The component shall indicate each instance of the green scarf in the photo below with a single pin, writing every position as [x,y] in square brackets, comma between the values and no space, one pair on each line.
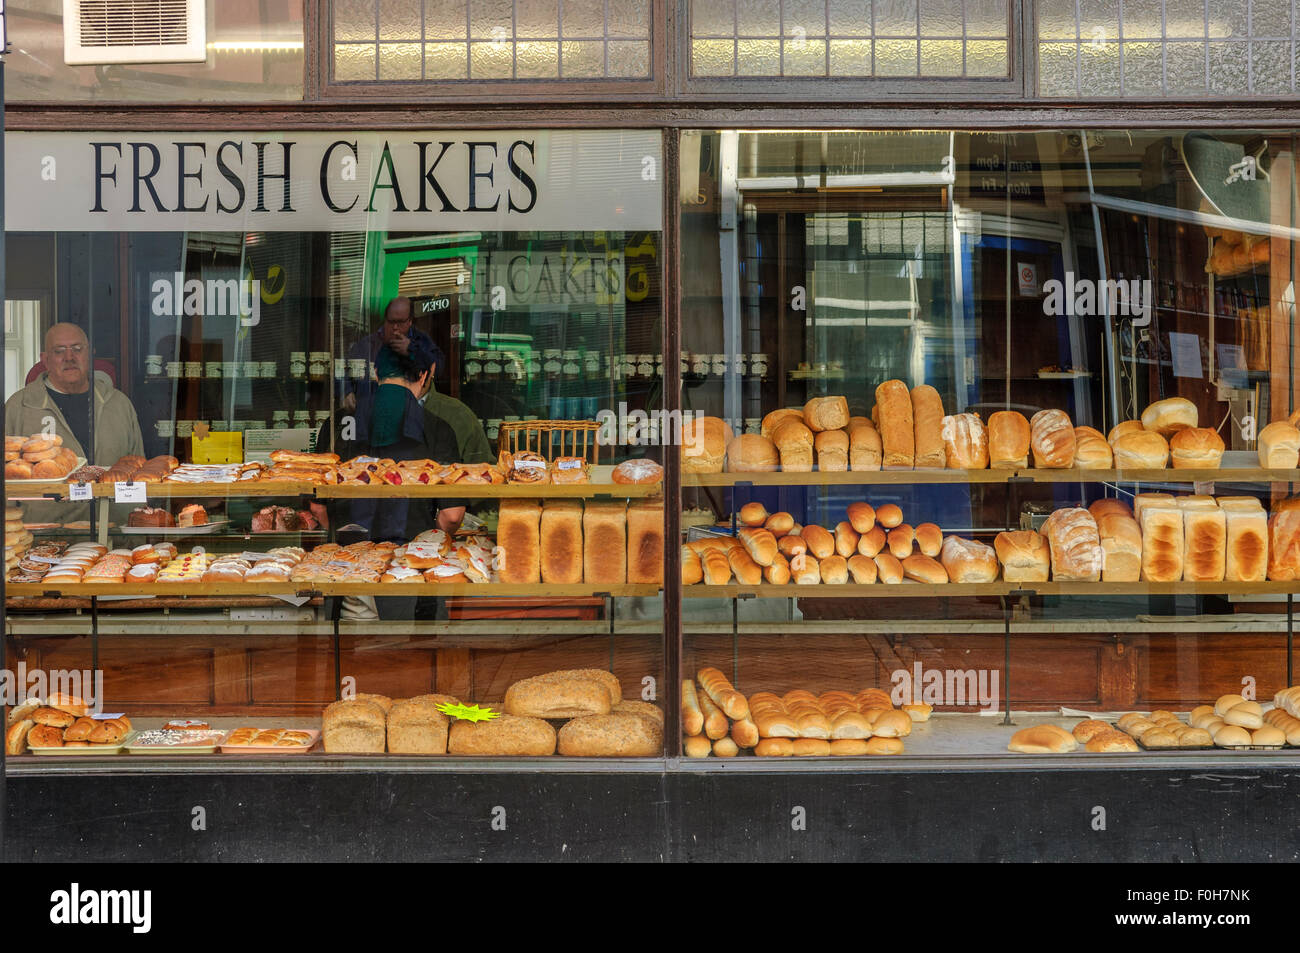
[389,414]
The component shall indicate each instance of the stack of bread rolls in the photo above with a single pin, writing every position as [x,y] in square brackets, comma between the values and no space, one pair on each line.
[60,721]
[38,457]
[1163,729]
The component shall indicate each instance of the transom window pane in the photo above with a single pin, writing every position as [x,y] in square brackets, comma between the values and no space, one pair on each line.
[1166,48]
[450,40]
[850,39]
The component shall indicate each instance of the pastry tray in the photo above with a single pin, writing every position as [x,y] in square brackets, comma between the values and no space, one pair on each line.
[273,749]
[81,462]
[214,526]
[88,751]
[208,746]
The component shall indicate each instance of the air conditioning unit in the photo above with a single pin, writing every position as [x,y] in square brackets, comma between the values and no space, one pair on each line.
[134,31]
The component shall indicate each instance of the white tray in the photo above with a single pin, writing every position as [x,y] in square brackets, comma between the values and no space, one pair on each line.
[81,462]
[205,747]
[213,526]
[88,751]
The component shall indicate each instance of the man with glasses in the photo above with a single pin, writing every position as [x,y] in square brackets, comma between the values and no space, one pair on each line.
[58,401]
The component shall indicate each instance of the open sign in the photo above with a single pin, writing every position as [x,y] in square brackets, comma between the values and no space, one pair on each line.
[438,305]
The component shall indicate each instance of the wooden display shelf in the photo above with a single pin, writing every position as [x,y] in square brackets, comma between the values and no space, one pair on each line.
[177,589]
[506,491]
[910,589]
[1028,474]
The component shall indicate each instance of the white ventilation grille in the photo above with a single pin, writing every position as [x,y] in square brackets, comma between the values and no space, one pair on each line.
[134,31]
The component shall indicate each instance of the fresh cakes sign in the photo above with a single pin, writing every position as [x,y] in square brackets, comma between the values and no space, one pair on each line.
[580,180]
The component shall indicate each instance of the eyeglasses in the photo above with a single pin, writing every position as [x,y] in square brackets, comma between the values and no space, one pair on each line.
[69,349]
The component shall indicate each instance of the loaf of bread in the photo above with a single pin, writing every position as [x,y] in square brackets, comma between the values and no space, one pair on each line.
[819,541]
[704,444]
[1107,505]
[1279,446]
[1075,545]
[1142,500]
[1169,416]
[832,450]
[717,568]
[826,413]
[794,444]
[746,570]
[1052,440]
[777,417]
[1141,450]
[645,542]
[846,539]
[604,545]
[1246,549]
[865,452]
[888,569]
[558,695]
[616,735]
[929,539]
[752,453]
[929,450]
[1121,547]
[723,694]
[759,543]
[1196,447]
[752,514]
[897,436]
[561,542]
[354,727]
[1284,543]
[1024,555]
[924,569]
[968,561]
[1009,438]
[1204,542]
[519,536]
[1123,427]
[1042,739]
[503,736]
[1091,451]
[965,442]
[1162,543]
[415,726]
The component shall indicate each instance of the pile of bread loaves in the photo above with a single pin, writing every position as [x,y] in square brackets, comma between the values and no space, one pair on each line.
[909,430]
[597,722]
[568,541]
[718,720]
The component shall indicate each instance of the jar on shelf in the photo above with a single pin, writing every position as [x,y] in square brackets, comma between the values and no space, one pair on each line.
[318,365]
[213,370]
[298,364]
[571,371]
[301,419]
[153,365]
[473,365]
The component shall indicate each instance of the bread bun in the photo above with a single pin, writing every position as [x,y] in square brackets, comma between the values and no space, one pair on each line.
[753,514]
[1268,735]
[1141,450]
[751,453]
[1169,416]
[1110,741]
[862,516]
[1195,738]
[924,569]
[869,544]
[900,540]
[1088,729]
[1245,715]
[846,539]
[834,570]
[1042,739]
[1196,447]
[892,724]
[1231,736]
[889,515]
[1225,703]
[929,539]
[779,523]
[1158,737]
[888,569]
[819,541]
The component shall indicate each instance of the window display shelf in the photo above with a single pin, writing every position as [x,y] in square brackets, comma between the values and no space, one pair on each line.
[921,590]
[344,491]
[1028,474]
[304,590]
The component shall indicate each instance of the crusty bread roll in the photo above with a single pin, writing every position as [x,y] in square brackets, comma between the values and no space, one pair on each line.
[752,453]
[924,569]
[965,442]
[929,449]
[704,444]
[1121,547]
[1123,427]
[897,436]
[1091,451]
[834,570]
[968,561]
[1042,739]
[888,569]
[900,540]
[1009,438]
[826,413]
[805,570]
[1141,450]
[1279,446]
[873,542]
[777,417]
[1024,554]
[1231,736]
[1196,447]
[747,571]
[1088,729]
[846,539]
[1246,549]
[1051,438]
[692,714]
[865,450]
[1075,545]
[820,542]
[692,568]
[794,443]
[780,523]
[862,516]
[1169,416]
[929,539]
[832,451]
[1111,741]
[1204,544]
[778,573]
[753,514]
[889,515]
[696,746]
[717,568]
[1162,543]
[759,543]
[862,569]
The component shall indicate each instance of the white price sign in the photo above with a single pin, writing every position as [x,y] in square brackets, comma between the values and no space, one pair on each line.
[80,491]
[129,493]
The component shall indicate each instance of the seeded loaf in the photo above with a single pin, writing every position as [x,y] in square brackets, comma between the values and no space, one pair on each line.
[505,735]
[615,735]
[415,726]
[559,695]
[354,727]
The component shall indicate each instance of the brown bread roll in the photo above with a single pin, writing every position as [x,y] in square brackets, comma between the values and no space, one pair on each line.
[929,539]
[1111,741]
[862,516]
[1198,447]
[1088,729]
[897,435]
[846,539]
[805,570]
[888,569]
[725,748]
[820,543]
[900,540]
[779,524]
[873,542]
[696,746]
[792,545]
[1009,438]
[889,515]
[924,569]
[1167,417]
[752,453]
[834,570]
[930,452]
[777,574]
[862,569]
[753,514]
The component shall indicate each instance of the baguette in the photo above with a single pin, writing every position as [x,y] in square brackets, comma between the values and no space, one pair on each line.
[723,693]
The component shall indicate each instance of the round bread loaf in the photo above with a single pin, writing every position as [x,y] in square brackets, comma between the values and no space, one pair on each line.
[1226,702]
[1170,415]
[1196,447]
[1195,738]
[1268,735]
[1141,450]
[704,444]
[1088,729]
[753,514]
[1122,428]
[1231,736]
[1009,437]
[638,471]
[1111,741]
[779,524]
[1042,739]
[752,453]
[615,735]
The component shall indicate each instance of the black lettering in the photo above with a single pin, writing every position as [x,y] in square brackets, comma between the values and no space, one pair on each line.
[515,269]
[182,175]
[230,176]
[146,178]
[386,162]
[475,175]
[100,174]
[430,180]
[522,176]
[324,176]
[545,279]
[262,176]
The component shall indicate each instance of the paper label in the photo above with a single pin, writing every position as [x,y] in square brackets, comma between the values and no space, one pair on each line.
[570,464]
[468,712]
[80,491]
[129,493]
[105,716]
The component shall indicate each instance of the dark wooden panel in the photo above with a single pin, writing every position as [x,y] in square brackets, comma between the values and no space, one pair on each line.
[1187,671]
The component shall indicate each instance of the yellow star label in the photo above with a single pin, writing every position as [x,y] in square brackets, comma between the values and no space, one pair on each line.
[468,712]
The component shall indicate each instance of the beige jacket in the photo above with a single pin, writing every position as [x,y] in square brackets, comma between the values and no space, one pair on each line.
[117,429]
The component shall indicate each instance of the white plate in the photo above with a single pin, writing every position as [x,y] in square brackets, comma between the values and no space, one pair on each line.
[81,462]
[88,751]
[213,526]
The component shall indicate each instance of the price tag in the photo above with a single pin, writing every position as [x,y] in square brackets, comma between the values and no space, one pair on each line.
[129,493]
[106,716]
[79,491]
[468,712]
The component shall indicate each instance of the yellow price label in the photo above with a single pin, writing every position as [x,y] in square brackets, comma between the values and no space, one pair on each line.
[468,712]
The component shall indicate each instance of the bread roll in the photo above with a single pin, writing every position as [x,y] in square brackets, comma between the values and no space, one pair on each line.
[929,449]
[1204,544]
[820,543]
[778,573]
[752,453]
[897,436]
[1042,739]
[1111,741]
[794,442]
[968,561]
[929,539]
[777,417]
[1009,438]
[888,569]
[504,736]
[1121,547]
[965,442]
[900,540]
[1091,451]
[884,746]
[747,571]
[715,719]
[1267,736]
[1075,545]
[774,748]
[865,452]
[704,444]
[846,539]
[889,515]
[604,552]
[692,568]
[1052,440]
[1123,427]
[832,448]
[805,570]
[1169,416]
[924,569]
[717,568]
[744,733]
[826,413]
[834,570]
[869,544]
[1142,450]
[1232,736]
[1196,447]
[1279,446]
[779,523]
[1024,555]
[1246,550]
[696,746]
[692,714]
[753,514]
[1088,729]
[1162,543]
[760,544]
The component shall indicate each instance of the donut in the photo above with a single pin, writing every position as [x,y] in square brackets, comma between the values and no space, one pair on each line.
[14,444]
[41,442]
[36,456]
[18,470]
[49,470]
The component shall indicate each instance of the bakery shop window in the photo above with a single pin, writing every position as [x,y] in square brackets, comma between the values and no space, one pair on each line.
[988,423]
[302,491]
